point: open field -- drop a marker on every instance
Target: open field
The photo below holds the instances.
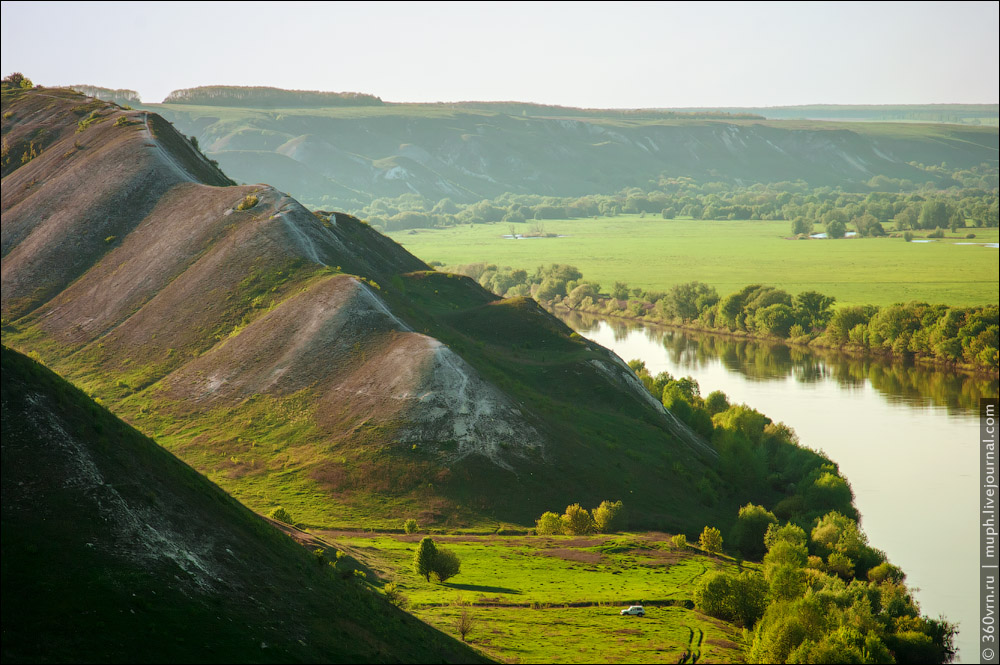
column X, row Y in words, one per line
column 654, row 254
column 557, row 598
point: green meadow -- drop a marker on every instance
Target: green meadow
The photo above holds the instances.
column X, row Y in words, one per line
column 655, row 254
column 557, row 598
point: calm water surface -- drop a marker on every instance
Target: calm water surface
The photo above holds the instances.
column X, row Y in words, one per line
column 905, row 437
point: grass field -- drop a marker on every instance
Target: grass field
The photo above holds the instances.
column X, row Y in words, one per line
column 557, row 598
column 655, row 254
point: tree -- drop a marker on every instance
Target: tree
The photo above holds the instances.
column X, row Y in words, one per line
column 801, row 226
column 576, row 521
column 410, row 526
column 423, row 558
column 281, row 515
column 836, row 229
column 812, row 309
column 446, row 564
column 711, row 540
column 751, row 525
column 608, row 517
column 464, row 623
column 548, row 524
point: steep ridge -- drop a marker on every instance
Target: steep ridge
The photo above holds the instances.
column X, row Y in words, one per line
column 306, row 360
column 469, row 152
column 113, row 550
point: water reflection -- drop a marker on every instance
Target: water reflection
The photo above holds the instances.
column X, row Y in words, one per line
column 903, row 383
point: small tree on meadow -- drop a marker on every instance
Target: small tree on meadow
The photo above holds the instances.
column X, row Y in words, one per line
column 609, row 517
column 711, row 540
column 423, row 558
column 576, row 521
column 548, row 524
column 446, row 564
column 410, row 526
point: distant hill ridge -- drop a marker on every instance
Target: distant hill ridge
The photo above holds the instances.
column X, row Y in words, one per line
column 266, row 97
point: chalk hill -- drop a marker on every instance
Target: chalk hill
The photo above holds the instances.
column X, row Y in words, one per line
column 304, row 359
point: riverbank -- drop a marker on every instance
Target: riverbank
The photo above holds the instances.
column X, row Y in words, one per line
column 810, row 341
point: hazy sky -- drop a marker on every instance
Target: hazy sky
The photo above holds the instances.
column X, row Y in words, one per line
column 628, row 55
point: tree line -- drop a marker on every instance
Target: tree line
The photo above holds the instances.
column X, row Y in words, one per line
column 970, row 200
column 968, row 336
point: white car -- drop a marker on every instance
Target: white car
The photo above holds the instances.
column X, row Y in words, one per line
column 634, row 610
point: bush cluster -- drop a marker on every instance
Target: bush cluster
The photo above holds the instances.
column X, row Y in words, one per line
column 609, row 517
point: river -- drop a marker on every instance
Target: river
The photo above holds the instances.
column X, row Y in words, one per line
column 905, row 436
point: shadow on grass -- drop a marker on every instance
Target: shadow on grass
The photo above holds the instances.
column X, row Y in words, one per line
column 481, row 589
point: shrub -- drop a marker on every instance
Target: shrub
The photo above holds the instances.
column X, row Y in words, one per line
column 908, row 236
column 281, row 515
column 751, row 525
column 679, row 541
column 741, row 598
column 710, row 540
column 576, row 521
column 394, row 595
column 446, row 565
column 121, row 121
column 609, row 517
column 249, row 201
column 548, row 524
column 318, row 555
column 936, row 233
column 410, row 526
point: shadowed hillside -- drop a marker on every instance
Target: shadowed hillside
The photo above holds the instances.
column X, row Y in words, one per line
column 305, row 359
column 115, row 551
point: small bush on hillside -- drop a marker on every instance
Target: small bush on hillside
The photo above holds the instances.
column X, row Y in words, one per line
column 249, row 201
column 318, row 555
column 394, row 595
column 711, row 540
column 410, row 526
column 679, row 541
column 281, row 515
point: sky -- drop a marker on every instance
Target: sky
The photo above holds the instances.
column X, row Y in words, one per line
column 596, row 55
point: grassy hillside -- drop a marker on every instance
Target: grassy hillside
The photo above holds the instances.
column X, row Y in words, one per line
column 305, row 360
column 469, row 152
column 655, row 254
column 114, row 550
